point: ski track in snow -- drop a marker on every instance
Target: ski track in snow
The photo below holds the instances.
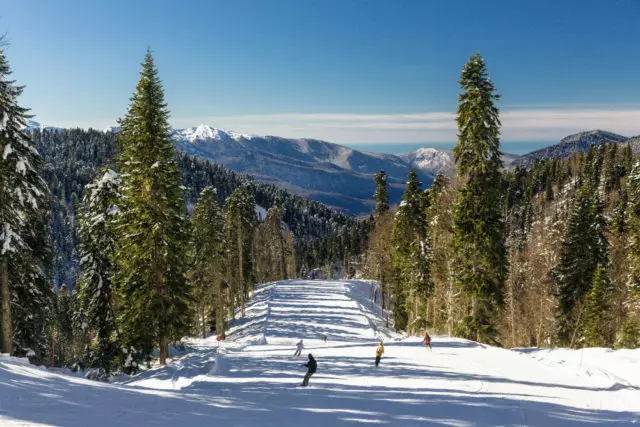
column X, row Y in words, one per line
column 252, row 378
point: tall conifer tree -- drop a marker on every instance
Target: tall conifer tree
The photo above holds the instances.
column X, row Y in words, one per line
column 153, row 228
column 583, row 249
column 23, row 250
column 209, row 259
column 97, row 219
column 411, row 254
column 478, row 217
column 240, row 217
column 382, row 193
column 630, row 333
column 596, row 329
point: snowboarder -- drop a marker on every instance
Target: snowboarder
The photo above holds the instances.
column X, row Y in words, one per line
column 299, row 348
column 379, row 353
column 311, row 365
column 427, row 340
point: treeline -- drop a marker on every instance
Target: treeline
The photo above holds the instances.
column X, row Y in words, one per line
column 71, row 158
column 541, row 256
column 113, row 246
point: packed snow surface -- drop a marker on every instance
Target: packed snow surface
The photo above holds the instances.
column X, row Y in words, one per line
column 252, row 378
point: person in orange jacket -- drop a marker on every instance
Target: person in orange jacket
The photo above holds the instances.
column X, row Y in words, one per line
column 379, row 353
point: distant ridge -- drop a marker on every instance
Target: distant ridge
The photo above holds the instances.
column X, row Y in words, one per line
column 578, row 142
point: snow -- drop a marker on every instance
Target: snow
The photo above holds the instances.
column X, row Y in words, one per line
column 207, row 133
column 7, row 150
column 251, row 379
column 3, row 122
column 261, row 213
column 432, row 159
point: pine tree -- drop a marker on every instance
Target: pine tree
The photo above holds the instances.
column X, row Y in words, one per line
column 629, row 336
column 208, row 271
column 382, row 193
column 596, row 326
column 97, row 247
column 273, row 249
column 583, row 249
column 619, row 222
column 478, row 217
column 153, row 228
column 64, row 328
column 411, row 255
column 23, row 251
column 240, row 218
column 631, row 328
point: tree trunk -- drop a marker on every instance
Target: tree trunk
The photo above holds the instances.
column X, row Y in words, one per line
column 204, row 325
column 450, row 301
column 283, row 260
column 5, row 290
column 239, row 246
column 220, row 310
column 164, row 350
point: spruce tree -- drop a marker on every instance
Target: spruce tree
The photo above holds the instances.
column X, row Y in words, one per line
column 631, row 328
column 382, row 193
column 479, row 225
column 97, row 219
column 23, row 253
column 153, row 228
column 411, row 254
column 596, row 325
column 208, row 271
column 583, row 249
column 240, row 218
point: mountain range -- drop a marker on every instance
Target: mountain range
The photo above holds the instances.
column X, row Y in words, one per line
column 330, row 173
column 339, row 176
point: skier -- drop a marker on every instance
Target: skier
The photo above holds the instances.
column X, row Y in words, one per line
column 427, row 340
column 379, row 353
column 299, row 346
column 311, row 365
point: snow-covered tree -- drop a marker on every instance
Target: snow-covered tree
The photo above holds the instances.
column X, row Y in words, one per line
column 411, row 255
column 23, row 251
column 630, row 333
column 583, row 249
column 97, row 248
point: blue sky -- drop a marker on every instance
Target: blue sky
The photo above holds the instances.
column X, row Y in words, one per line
column 346, row 71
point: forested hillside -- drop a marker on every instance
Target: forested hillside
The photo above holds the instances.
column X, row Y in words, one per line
column 72, row 158
column 544, row 255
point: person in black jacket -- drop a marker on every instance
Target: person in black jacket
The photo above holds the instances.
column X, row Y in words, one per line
column 311, row 365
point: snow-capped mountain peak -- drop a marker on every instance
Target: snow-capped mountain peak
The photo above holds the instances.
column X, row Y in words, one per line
column 207, row 133
column 431, row 160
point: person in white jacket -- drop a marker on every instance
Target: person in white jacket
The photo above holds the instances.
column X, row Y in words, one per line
column 300, row 347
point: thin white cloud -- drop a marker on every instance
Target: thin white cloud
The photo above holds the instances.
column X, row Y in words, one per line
column 517, row 125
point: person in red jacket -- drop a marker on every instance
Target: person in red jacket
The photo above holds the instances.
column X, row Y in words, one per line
column 427, row 340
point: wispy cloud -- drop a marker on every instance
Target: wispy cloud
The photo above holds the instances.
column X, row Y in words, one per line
column 518, row 125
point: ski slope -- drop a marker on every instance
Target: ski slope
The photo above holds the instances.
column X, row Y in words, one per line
column 251, row 380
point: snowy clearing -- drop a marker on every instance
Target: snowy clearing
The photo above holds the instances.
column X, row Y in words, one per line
column 252, row 379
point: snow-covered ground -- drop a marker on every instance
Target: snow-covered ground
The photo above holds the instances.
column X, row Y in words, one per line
column 251, row 380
